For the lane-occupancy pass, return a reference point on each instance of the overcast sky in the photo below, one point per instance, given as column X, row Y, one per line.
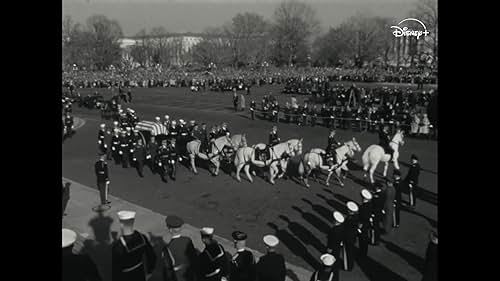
column 196, row 15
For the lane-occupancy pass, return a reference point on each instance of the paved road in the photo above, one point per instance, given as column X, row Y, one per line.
column 299, row 217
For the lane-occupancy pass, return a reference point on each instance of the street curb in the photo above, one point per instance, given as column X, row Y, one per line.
column 297, row 273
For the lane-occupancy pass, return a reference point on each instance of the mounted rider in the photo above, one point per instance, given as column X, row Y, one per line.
column 385, row 139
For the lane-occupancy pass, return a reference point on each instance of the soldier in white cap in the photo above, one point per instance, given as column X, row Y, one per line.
column 271, row 266
column 102, row 174
column 351, row 232
column 76, row 267
column 133, row 257
column 329, row 271
column 166, row 121
column 101, row 139
column 214, row 263
column 366, row 222
column 336, row 235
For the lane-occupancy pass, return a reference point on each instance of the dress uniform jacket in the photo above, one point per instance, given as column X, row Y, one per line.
column 213, row 263
column 101, row 171
column 321, row 275
column 271, row 267
column 365, row 212
column 413, row 173
column 334, row 240
column 389, row 195
column 243, row 267
column 332, row 144
column 132, row 258
column 101, row 140
column 78, row 267
column 350, row 237
column 152, row 150
column 397, row 200
column 179, row 258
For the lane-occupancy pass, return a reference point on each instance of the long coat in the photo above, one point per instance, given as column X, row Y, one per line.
column 390, row 194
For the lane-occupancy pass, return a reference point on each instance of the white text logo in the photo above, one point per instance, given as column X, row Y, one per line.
column 405, row 31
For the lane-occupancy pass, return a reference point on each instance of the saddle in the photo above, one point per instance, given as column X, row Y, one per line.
column 263, row 154
column 326, row 157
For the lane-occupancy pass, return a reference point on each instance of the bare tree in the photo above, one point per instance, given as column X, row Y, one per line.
column 159, row 36
column 426, row 11
column 105, row 34
column 294, row 24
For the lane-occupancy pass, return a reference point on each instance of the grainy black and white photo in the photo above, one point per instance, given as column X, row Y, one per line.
column 249, row 140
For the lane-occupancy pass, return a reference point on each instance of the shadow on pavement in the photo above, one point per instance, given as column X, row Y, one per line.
column 318, row 223
column 303, row 234
column 294, row 245
column 432, row 222
column 376, row 271
column 334, row 204
column 99, row 249
column 412, row 259
column 321, row 210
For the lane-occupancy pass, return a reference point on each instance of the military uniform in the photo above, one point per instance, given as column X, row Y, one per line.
column 253, row 106
column 377, row 215
column 124, row 150
column 68, row 123
column 179, row 255
column 213, row 263
column 172, row 155
column 336, row 236
column 151, row 153
column 389, row 196
column 115, row 147
column 351, row 232
column 332, row 145
column 411, row 180
column 173, row 132
column 397, row 199
column 243, row 262
column 101, row 141
column 76, row 267
column 384, row 141
column 139, row 156
column 366, row 222
column 271, row 267
column 128, row 254
column 101, row 171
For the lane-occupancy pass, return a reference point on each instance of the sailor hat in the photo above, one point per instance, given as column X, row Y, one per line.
column 68, row 237
column 353, row 207
column 327, row 259
column 271, row 240
column 338, row 217
column 366, row 194
column 126, row 215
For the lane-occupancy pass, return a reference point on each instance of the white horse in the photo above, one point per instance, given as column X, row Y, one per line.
column 279, row 154
column 238, row 141
column 375, row 153
column 216, row 151
column 313, row 160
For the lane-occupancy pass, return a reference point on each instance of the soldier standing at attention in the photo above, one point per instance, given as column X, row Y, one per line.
column 179, row 255
column 329, row 271
column 243, row 262
column 213, row 262
column 350, row 236
column 336, row 235
column 397, row 199
column 101, row 171
column 133, row 257
column 365, row 221
column 271, row 266
column 412, row 179
column 151, row 152
column 252, row 109
column 389, row 197
column 76, row 267
column 139, row 156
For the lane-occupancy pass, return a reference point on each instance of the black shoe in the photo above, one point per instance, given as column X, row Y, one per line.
column 108, row 202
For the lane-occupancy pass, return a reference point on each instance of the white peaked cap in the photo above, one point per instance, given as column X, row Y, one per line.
column 157, row 118
column 353, row 207
column 126, row 215
column 327, row 259
column 68, row 237
column 207, row 231
column 167, row 117
column 366, row 194
column 338, row 217
column 271, row 240
column 103, row 125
